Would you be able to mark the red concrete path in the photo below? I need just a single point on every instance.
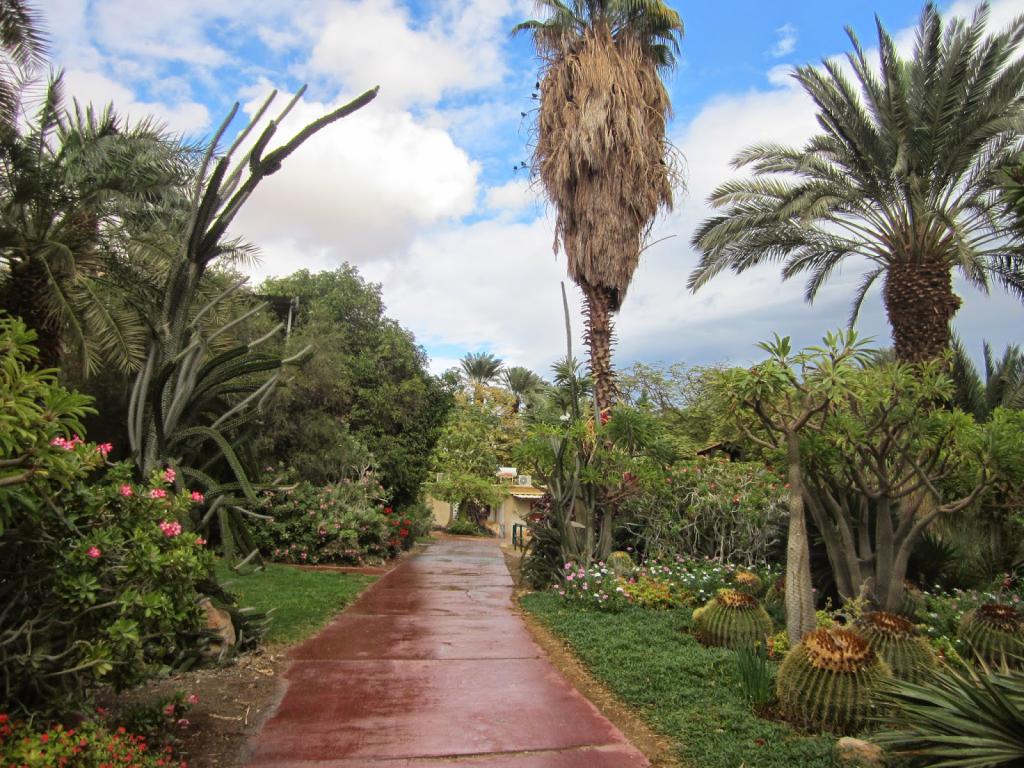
(430, 667)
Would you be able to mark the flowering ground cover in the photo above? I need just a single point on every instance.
(686, 692)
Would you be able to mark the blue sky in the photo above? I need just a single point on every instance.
(418, 190)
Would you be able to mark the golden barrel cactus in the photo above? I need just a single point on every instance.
(733, 619)
(995, 633)
(898, 642)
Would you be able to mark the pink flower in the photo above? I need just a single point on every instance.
(170, 528)
(158, 493)
(93, 552)
(126, 490)
(200, 542)
(169, 475)
(104, 449)
(193, 699)
(59, 442)
(197, 497)
(169, 710)
(183, 723)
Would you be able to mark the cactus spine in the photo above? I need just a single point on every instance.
(749, 582)
(733, 620)
(995, 633)
(897, 641)
(830, 681)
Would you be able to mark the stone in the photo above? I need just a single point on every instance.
(857, 753)
(219, 622)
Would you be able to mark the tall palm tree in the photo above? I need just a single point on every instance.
(521, 382)
(1003, 385)
(480, 367)
(904, 175)
(71, 185)
(600, 149)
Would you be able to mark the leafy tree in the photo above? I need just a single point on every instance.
(789, 396)
(888, 462)
(70, 184)
(904, 174)
(600, 149)
(363, 399)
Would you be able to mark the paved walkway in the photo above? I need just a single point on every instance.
(430, 667)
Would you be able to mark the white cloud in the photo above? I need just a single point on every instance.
(359, 190)
(512, 197)
(785, 42)
(186, 117)
(458, 50)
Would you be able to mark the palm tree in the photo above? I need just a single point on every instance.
(904, 175)
(24, 50)
(521, 382)
(1003, 386)
(480, 367)
(71, 185)
(600, 149)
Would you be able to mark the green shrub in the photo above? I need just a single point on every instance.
(464, 527)
(733, 620)
(344, 523)
(995, 633)
(595, 587)
(899, 644)
(831, 681)
(647, 592)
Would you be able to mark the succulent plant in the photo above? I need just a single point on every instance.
(747, 581)
(898, 642)
(995, 633)
(776, 593)
(733, 619)
(831, 681)
(913, 601)
(621, 563)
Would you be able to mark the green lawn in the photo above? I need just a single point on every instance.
(684, 691)
(302, 601)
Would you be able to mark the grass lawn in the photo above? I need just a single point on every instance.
(686, 692)
(302, 601)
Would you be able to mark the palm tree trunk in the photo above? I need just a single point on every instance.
(920, 303)
(598, 337)
(24, 296)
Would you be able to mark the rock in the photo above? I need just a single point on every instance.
(219, 622)
(857, 753)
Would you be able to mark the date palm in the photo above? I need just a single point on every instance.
(521, 382)
(600, 148)
(1002, 387)
(72, 183)
(23, 48)
(480, 367)
(904, 175)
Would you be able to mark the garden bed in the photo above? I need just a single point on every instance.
(685, 692)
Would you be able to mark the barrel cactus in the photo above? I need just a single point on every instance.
(749, 582)
(831, 681)
(733, 619)
(995, 633)
(621, 563)
(899, 644)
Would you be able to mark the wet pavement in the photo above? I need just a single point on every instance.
(431, 667)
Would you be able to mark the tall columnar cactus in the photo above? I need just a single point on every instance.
(995, 633)
(621, 563)
(899, 644)
(831, 681)
(733, 620)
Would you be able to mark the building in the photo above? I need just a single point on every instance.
(520, 498)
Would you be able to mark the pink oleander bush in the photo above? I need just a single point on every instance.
(98, 574)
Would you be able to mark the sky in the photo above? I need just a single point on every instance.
(423, 192)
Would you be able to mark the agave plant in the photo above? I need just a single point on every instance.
(193, 406)
(958, 719)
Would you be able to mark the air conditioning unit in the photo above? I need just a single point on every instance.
(524, 480)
